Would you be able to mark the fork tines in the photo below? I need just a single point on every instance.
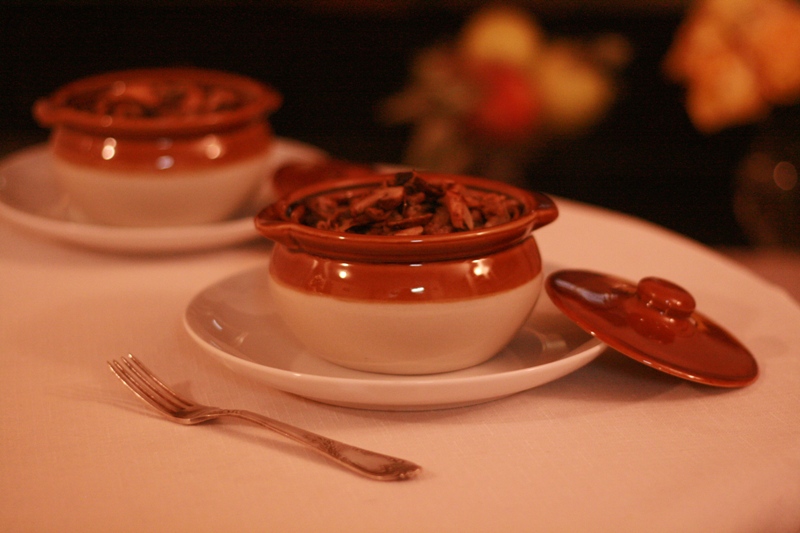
(139, 379)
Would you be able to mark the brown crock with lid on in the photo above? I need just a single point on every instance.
(116, 137)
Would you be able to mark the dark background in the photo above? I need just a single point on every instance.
(335, 61)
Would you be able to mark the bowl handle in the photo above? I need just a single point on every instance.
(272, 225)
(546, 210)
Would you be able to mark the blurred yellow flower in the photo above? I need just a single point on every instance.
(502, 34)
(737, 59)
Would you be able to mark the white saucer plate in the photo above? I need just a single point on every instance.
(31, 199)
(234, 320)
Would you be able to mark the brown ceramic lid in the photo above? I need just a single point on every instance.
(173, 101)
(655, 323)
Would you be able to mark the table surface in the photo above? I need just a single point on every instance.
(614, 446)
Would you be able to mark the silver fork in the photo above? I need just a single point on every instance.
(153, 391)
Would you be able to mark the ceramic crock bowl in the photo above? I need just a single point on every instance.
(400, 304)
(159, 147)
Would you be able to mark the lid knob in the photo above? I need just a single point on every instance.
(665, 296)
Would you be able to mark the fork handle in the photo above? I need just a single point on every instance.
(371, 464)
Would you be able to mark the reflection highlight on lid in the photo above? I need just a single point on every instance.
(109, 149)
(164, 162)
(212, 147)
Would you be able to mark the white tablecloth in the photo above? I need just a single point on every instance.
(612, 447)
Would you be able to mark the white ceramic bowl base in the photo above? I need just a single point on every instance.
(172, 199)
(405, 338)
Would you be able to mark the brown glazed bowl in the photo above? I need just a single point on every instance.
(405, 304)
(155, 147)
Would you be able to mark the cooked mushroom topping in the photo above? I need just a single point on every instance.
(142, 99)
(407, 204)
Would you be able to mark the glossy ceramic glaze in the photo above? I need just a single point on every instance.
(655, 323)
(406, 304)
(160, 146)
